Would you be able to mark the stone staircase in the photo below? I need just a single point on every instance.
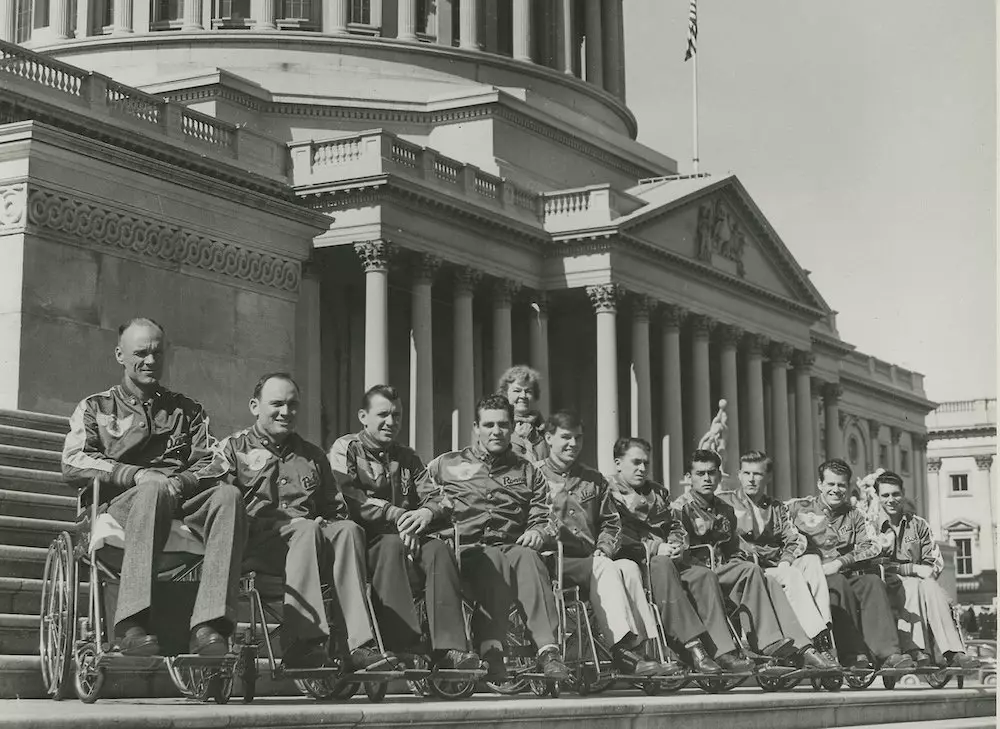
(35, 505)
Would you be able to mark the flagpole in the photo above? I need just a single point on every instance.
(694, 93)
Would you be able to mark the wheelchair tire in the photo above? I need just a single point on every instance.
(832, 683)
(717, 685)
(860, 681)
(248, 672)
(939, 679)
(57, 626)
(376, 691)
(538, 687)
(220, 688)
(326, 689)
(451, 690)
(770, 684)
(89, 678)
(889, 682)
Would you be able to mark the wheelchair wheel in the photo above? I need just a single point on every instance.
(451, 690)
(717, 684)
(248, 672)
(200, 683)
(325, 689)
(58, 620)
(939, 679)
(515, 664)
(860, 680)
(889, 682)
(376, 691)
(586, 686)
(89, 679)
(775, 683)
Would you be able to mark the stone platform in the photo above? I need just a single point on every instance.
(744, 708)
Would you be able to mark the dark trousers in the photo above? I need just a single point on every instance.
(394, 575)
(309, 555)
(679, 617)
(215, 514)
(703, 588)
(745, 585)
(862, 616)
(496, 576)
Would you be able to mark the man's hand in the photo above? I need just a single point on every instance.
(668, 549)
(832, 568)
(923, 571)
(410, 541)
(414, 522)
(531, 539)
(599, 554)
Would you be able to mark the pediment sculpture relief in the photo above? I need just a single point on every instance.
(719, 233)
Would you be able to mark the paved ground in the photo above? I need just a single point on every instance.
(744, 708)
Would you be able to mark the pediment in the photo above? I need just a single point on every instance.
(715, 222)
(960, 525)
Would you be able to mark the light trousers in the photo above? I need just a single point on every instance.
(925, 607)
(805, 587)
(619, 601)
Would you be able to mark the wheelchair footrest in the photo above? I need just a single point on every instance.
(379, 676)
(193, 660)
(294, 673)
(129, 663)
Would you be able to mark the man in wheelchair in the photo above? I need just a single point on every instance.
(299, 527)
(589, 527)
(912, 562)
(846, 543)
(711, 522)
(500, 506)
(690, 602)
(146, 444)
(380, 478)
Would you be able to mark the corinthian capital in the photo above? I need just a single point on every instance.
(642, 305)
(780, 353)
(701, 325)
(803, 360)
(672, 315)
(933, 465)
(604, 297)
(984, 463)
(832, 392)
(374, 254)
(504, 290)
(757, 343)
(466, 279)
(425, 267)
(730, 335)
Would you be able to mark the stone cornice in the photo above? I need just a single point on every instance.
(975, 431)
(886, 393)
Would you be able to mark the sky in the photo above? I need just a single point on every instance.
(866, 132)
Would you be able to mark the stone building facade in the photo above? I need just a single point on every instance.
(441, 189)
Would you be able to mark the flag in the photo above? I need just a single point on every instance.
(692, 47)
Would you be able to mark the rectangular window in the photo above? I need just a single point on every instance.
(361, 12)
(23, 16)
(959, 483)
(231, 14)
(297, 9)
(167, 10)
(963, 557)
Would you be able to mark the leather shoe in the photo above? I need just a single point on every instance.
(631, 664)
(139, 644)
(701, 662)
(550, 664)
(733, 663)
(958, 659)
(496, 667)
(455, 659)
(861, 663)
(920, 658)
(305, 654)
(779, 648)
(668, 668)
(207, 641)
(367, 658)
(809, 657)
(898, 660)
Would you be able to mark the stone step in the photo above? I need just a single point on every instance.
(23, 595)
(14, 478)
(19, 561)
(18, 634)
(35, 421)
(29, 532)
(37, 458)
(39, 506)
(15, 436)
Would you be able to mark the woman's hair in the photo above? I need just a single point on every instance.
(521, 374)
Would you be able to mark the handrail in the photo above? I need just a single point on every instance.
(43, 70)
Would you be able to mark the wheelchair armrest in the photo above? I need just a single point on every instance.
(712, 559)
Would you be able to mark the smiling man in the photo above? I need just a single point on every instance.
(299, 528)
(380, 478)
(500, 505)
(846, 544)
(147, 444)
(911, 557)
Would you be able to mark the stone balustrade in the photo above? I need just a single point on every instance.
(585, 207)
(47, 81)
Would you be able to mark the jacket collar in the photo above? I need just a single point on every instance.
(491, 461)
(836, 510)
(702, 500)
(372, 447)
(268, 442)
(559, 469)
(132, 394)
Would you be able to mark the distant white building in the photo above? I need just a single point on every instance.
(961, 492)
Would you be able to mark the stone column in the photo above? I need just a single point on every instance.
(565, 46)
(804, 465)
(754, 378)
(604, 298)
(407, 20)
(874, 427)
(59, 24)
(308, 358)
(780, 354)
(817, 414)
(374, 255)
(673, 408)
(729, 339)
(831, 407)
(463, 369)
(123, 18)
(192, 15)
(894, 456)
(701, 328)
(523, 30)
(614, 48)
(8, 22)
(335, 17)
(468, 34)
(422, 358)
(595, 60)
(934, 515)
(503, 355)
(641, 412)
(82, 20)
(918, 441)
(263, 14)
(538, 353)
(375, 18)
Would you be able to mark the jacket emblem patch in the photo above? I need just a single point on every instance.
(463, 471)
(113, 426)
(811, 520)
(256, 459)
(701, 526)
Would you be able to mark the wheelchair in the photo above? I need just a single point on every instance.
(76, 640)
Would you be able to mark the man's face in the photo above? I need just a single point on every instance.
(754, 478)
(891, 497)
(633, 466)
(833, 488)
(493, 430)
(520, 395)
(382, 419)
(565, 445)
(141, 353)
(277, 408)
(704, 477)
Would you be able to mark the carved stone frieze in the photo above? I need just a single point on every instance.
(720, 233)
(12, 205)
(103, 228)
(933, 465)
(984, 463)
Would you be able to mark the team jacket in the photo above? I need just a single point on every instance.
(842, 534)
(582, 510)
(647, 520)
(114, 434)
(911, 545)
(493, 500)
(380, 484)
(278, 483)
(765, 528)
(708, 521)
